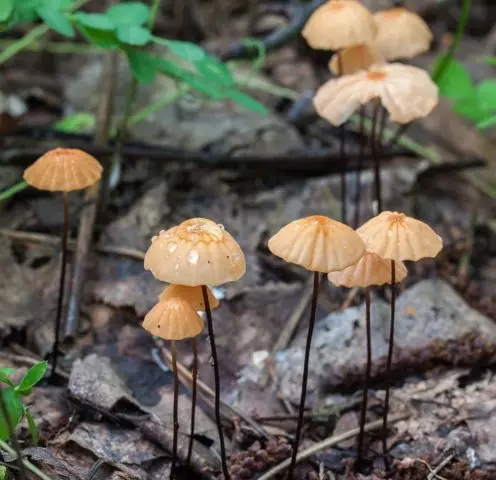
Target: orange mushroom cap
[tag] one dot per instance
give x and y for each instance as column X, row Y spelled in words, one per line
column 173, row 319
column 370, row 270
column 192, row 295
column 338, row 24
column 401, row 33
column 397, row 237
column 355, row 58
column 196, row 252
column 63, row 170
column 406, row 92
column 318, row 244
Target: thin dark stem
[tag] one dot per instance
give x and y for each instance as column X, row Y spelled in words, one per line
column 367, row 379
column 175, row 418
column 193, row 399
column 388, row 368
column 313, row 310
column 358, row 173
column 211, row 337
column 376, row 158
column 60, row 302
column 382, row 128
column 13, row 439
column 342, row 156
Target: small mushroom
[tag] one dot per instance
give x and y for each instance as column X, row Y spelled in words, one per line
column 401, row 33
column 320, row 245
column 174, row 319
column 63, row 170
column 397, row 238
column 370, row 270
column 199, row 252
column 354, row 59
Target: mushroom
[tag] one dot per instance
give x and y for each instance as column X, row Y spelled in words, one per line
column 337, row 25
column 194, row 296
column 320, row 245
column 397, row 238
column 406, row 92
column 174, row 319
column 370, row 270
column 199, row 252
column 401, row 33
column 63, row 170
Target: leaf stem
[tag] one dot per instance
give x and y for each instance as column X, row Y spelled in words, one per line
column 32, row 468
column 11, row 191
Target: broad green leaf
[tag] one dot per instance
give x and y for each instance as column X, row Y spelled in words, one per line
column 5, row 379
column 6, row 8
column 129, row 13
column 24, row 12
column 133, row 35
column 98, row 21
column 33, row 376
column 58, row 4
column 31, row 426
column 100, row 38
column 76, row 123
column 7, row 371
column 186, row 50
column 246, row 102
column 3, row 472
column 215, row 71
column 56, row 20
column 455, row 83
column 486, row 94
column 208, row 89
column 143, row 66
column 488, row 122
column 471, row 109
column 15, row 409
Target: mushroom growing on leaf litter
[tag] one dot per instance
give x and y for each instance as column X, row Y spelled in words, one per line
column 320, row 245
column 199, row 252
column 63, row 170
column 397, row 238
column 370, row 270
column 174, row 319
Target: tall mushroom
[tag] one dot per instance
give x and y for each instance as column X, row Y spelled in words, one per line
column 336, row 25
column 406, row 92
column 173, row 319
column 370, row 270
column 397, row 238
column 194, row 296
column 320, row 245
column 63, row 170
column 199, row 252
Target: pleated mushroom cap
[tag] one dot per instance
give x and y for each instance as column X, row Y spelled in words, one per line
column 318, row 244
column 406, row 92
column 401, row 33
column 173, row 319
column 395, row 236
column 196, row 252
column 192, row 295
column 339, row 24
column 370, row 270
column 354, row 59
column 63, row 170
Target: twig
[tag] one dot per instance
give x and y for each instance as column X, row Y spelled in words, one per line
column 434, row 473
column 330, row 442
column 87, row 222
column 53, row 240
column 32, row 468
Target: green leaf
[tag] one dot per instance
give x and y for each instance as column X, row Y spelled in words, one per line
column 486, row 94
column 31, row 426
column 33, row 376
column 5, row 379
column 58, row 4
column 215, row 71
column 100, row 38
column 471, row 109
column 76, row 123
column 246, row 102
column 6, row 9
column 15, row 409
column 24, row 12
column 3, row 472
column 98, row 21
column 488, row 122
column 7, row 371
column 129, row 13
column 185, row 50
column 133, row 35
column 143, row 66
column 455, row 82
column 56, row 20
